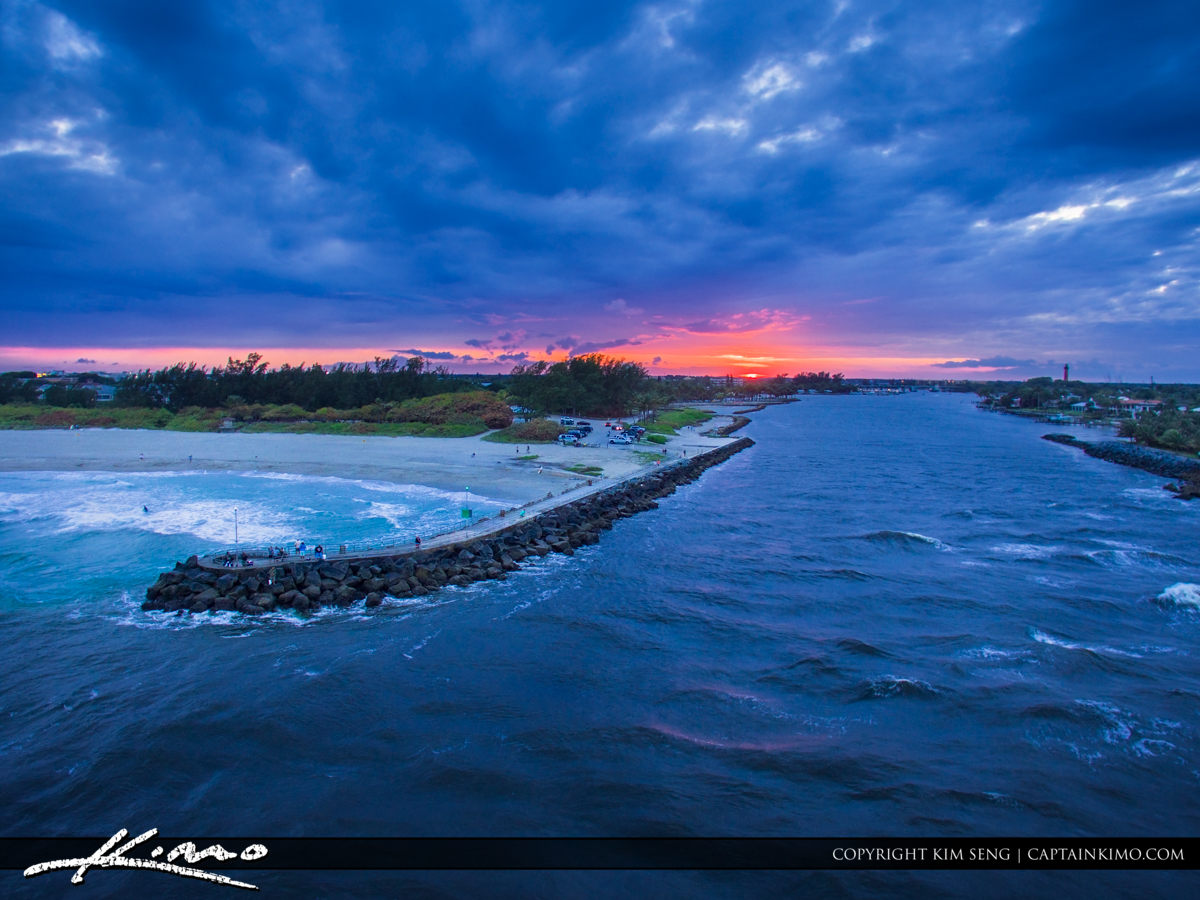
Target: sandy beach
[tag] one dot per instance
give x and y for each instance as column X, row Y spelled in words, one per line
column 489, row 469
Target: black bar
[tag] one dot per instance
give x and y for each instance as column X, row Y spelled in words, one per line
column 652, row 853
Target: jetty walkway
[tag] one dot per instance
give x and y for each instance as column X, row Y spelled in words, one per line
column 490, row 548
column 258, row 557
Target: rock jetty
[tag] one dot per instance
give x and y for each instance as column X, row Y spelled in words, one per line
column 1157, row 462
column 305, row 586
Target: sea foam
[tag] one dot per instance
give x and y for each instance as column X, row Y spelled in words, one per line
column 1181, row 594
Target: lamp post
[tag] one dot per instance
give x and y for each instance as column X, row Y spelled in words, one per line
column 235, row 527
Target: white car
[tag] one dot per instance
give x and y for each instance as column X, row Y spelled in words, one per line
column 619, row 439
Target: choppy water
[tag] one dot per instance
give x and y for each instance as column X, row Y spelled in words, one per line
column 893, row 615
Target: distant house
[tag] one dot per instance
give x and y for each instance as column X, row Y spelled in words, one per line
column 105, row 393
column 1133, row 407
column 45, row 383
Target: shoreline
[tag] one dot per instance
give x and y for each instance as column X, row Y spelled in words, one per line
column 494, row 470
column 1162, row 463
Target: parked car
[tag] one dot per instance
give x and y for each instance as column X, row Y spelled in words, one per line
column 568, row 440
column 577, row 434
column 583, row 428
column 566, row 420
column 620, row 439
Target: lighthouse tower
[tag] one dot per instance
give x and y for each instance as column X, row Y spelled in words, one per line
column 1066, row 368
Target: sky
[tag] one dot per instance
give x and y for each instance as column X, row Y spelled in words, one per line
column 934, row 189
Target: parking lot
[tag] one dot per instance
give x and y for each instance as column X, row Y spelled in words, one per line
column 611, row 433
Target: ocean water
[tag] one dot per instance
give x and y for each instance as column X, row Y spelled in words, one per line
column 891, row 616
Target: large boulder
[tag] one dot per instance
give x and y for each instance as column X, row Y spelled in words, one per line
column 206, row 596
column 263, row 601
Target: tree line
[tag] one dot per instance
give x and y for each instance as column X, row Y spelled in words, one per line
column 1169, row 428
column 592, row 384
column 250, row 381
column 599, row 385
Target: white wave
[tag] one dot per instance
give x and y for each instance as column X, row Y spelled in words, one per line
column 1122, row 545
column 209, row 520
column 420, row 645
column 1027, row 551
column 1152, row 494
column 1057, row 583
column 924, row 539
column 1120, row 724
column 407, row 604
column 381, row 487
column 19, row 505
column 1128, row 557
column 986, row 652
column 398, row 515
column 1042, row 638
column 894, row 685
column 1152, row 747
column 1182, row 593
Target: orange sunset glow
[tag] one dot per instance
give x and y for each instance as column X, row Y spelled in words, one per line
column 678, row 355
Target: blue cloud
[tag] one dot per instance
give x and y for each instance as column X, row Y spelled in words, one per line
column 382, row 172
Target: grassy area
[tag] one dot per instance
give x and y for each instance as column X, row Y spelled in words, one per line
column 657, row 438
column 537, row 431
column 649, row 456
column 529, row 457
column 671, row 420
column 446, row 415
column 32, row 416
column 581, row 469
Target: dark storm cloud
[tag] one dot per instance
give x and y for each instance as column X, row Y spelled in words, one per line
column 993, row 362
column 428, row 354
column 603, row 346
column 566, row 343
column 368, row 171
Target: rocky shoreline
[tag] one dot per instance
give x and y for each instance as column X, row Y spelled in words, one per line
column 306, row 586
column 1157, row 462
